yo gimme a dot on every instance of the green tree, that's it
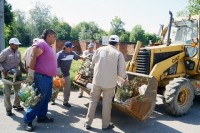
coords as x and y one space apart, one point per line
8 19
62 29
40 16
87 32
117 26
20 28
76 31
125 37
138 34
153 37
9 15
193 8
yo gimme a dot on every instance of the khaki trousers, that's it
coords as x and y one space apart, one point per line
7 93
66 90
108 94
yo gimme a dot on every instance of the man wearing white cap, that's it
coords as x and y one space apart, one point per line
10 58
89 51
109 63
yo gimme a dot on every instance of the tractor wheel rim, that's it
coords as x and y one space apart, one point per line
183 97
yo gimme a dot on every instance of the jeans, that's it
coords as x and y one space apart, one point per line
44 85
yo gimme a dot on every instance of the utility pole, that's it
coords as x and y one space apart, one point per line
2 41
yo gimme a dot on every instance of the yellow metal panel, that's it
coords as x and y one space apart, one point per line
162 66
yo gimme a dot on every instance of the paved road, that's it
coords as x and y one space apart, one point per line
72 119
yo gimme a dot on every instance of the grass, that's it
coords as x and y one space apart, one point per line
74 71
22 50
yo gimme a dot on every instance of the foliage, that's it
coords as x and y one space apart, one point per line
7 33
125 37
8 19
40 16
22 50
151 37
138 34
25 29
62 29
20 28
117 26
74 70
192 9
87 31
8 16
90 31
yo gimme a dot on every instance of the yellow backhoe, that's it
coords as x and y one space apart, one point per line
171 68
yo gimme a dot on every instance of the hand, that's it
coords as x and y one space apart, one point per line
4 72
83 58
30 77
126 82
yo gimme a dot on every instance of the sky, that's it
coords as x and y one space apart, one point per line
148 13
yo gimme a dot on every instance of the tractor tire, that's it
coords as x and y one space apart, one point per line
178 96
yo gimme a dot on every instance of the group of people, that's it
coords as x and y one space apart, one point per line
43 64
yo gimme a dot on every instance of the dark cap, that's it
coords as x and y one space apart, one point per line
68 44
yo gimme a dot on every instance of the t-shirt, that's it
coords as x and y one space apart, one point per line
64 61
46 63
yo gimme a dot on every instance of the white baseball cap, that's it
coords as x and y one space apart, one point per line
36 39
90 45
113 38
14 41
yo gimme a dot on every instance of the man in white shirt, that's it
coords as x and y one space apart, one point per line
109 63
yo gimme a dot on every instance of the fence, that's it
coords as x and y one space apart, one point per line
125 48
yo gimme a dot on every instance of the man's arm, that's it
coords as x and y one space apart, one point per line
122 67
2 59
36 51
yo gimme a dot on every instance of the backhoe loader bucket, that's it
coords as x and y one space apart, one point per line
139 97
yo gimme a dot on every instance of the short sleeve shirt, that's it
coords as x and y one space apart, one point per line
9 59
64 61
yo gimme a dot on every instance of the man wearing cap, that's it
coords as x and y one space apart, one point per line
64 61
89 51
10 58
108 64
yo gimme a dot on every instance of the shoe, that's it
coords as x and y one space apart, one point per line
110 126
53 103
9 112
28 127
45 120
19 108
88 127
80 96
67 104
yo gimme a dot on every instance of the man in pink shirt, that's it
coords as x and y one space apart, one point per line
42 68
